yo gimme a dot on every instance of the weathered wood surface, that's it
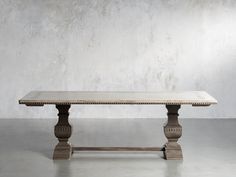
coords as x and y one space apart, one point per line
39 98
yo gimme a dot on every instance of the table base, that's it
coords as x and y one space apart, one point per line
172 130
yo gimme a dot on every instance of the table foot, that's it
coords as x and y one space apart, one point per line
172 151
173 131
62 151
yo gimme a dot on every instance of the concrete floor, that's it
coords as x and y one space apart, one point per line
209 148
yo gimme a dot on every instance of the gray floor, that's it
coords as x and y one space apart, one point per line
208 145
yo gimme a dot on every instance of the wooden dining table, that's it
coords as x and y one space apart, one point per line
64 99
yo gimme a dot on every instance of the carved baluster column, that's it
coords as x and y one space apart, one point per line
173 131
63 131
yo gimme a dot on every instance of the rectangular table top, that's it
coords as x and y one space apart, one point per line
39 98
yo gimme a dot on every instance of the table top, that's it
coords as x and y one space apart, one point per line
195 98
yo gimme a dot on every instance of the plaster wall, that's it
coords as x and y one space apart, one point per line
148 45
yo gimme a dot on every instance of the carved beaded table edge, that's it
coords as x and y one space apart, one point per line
172 129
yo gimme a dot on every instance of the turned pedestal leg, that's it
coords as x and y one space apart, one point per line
173 131
63 130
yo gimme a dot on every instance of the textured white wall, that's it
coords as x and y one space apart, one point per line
132 45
